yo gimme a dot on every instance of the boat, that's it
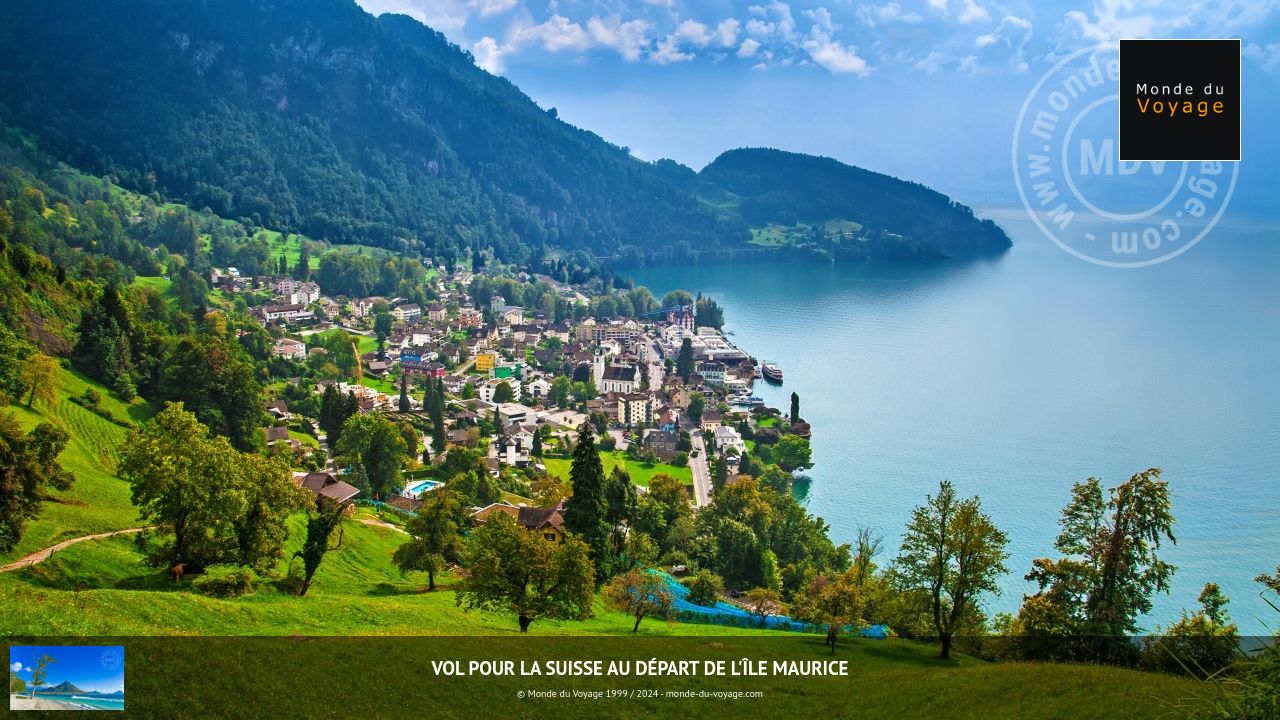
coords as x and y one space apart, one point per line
750 400
771 372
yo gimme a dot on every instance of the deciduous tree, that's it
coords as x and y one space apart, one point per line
641 593
953 552
515 570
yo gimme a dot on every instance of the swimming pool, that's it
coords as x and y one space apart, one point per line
418 487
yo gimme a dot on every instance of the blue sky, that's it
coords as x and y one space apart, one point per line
922 89
81 665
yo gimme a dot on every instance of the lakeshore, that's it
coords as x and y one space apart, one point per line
26 702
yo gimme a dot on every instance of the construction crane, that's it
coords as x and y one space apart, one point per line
359 365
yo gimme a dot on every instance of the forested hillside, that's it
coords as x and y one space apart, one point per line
312 116
896 217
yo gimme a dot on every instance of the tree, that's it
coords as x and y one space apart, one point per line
376 445
436 535
640 592
832 601
792 453
684 360
536 449
763 602
40 374
1203 643
320 527
16 684
697 406
209 503
28 466
561 390
1090 598
705 588
620 506
586 510
335 410
302 270
953 552
40 672
515 570
404 393
503 393
795 408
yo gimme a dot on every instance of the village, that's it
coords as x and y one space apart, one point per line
664 396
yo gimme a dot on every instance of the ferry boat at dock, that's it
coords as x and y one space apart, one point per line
771 372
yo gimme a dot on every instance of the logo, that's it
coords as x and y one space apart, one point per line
112 658
1073 184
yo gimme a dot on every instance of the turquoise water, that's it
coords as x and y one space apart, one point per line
98 703
421 486
1016 377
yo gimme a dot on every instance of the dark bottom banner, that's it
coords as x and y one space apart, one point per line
561 677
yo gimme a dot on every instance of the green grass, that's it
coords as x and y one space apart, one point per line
98 501
100 587
776 235
769 421
304 438
641 473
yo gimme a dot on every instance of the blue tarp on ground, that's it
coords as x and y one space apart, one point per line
723 613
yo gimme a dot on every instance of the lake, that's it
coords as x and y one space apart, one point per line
1016 377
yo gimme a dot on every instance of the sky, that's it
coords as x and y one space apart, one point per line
926 90
84 666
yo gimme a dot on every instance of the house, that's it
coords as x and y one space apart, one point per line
288 313
548 522
326 484
710 421
486 389
289 348
485 361
727 438
515 413
304 293
513 314
663 443
468 317
277 434
712 372
620 379
277 409
407 312
539 389
635 408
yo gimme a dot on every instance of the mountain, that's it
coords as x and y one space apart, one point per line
313 116
62 688
773 187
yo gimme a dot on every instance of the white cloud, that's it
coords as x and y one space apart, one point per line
1005 46
726 33
556 34
488 54
939 5
832 55
1266 56
692 32
16 667
488 8
629 39
874 15
973 12
669 52
822 17
748 48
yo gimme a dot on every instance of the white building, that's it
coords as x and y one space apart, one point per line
727 438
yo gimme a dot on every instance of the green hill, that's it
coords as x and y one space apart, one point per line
313 116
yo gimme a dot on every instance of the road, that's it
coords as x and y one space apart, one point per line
41 555
701 472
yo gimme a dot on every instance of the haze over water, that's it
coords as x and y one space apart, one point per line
1016 377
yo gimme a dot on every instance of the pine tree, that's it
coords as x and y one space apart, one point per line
404 393
795 408
302 271
684 361
585 511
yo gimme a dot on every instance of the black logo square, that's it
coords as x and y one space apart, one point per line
1179 100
